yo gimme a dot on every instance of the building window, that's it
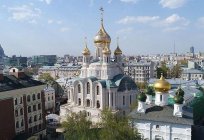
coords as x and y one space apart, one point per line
29 109
39 106
35 128
40 126
130 99
35 118
21 100
16 113
52 97
48 98
88 103
98 104
160 98
97 90
157 126
30 130
157 137
22 123
123 100
79 88
28 98
34 107
88 88
38 95
16 101
21 111
40 117
33 97
17 124
30 120
79 101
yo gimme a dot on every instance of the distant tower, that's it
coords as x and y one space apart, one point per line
192 50
101 39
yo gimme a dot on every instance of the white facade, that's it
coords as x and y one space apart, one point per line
163 131
49 99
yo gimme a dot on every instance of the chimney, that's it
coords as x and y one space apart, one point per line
141 103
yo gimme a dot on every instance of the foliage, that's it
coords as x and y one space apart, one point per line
116 127
184 62
162 70
176 71
78 127
198 110
46 77
112 127
141 85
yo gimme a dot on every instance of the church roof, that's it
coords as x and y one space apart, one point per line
163 114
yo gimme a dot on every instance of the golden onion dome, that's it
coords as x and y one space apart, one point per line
118 51
106 50
86 51
162 85
102 36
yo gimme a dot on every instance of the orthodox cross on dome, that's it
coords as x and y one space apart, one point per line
117 41
101 9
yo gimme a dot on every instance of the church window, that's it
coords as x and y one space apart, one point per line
16 101
28 98
79 101
16 112
97 90
22 123
160 97
98 104
21 111
17 124
88 103
38 95
33 97
79 88
157 126
88 88
157 137
123 100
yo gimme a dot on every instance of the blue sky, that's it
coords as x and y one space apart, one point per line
33 27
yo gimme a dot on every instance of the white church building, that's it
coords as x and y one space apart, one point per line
101 83
156 119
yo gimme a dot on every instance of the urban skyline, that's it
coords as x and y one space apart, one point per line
41 27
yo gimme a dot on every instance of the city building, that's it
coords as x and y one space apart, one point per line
22 106
57 72
192 74
140 71
101 83
49 93
169 114
44 60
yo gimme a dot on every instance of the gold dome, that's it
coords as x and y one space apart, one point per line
106 50
86 51
117 51
162 85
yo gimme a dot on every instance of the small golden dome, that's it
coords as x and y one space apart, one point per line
162 85
117 51
86 51
106 50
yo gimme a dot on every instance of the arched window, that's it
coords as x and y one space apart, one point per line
79 88
17 124
16 113
40 117
21 111
16 101
28 98
38 95
29 109
123 100
88 103
88 88
130 99
97 90
33 97
79 101
22 123
98 104
39 106
35 118
30 120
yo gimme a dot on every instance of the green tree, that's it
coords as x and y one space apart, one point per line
115 127
46 77
176 71
78 127
163 69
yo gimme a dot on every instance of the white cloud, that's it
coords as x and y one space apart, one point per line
139 19
172 4
24 13
200 22
124 30
50 21
129 1
64 29
110 1
46 1
59 22
173 22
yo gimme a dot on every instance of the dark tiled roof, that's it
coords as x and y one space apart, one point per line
161 114
10 82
